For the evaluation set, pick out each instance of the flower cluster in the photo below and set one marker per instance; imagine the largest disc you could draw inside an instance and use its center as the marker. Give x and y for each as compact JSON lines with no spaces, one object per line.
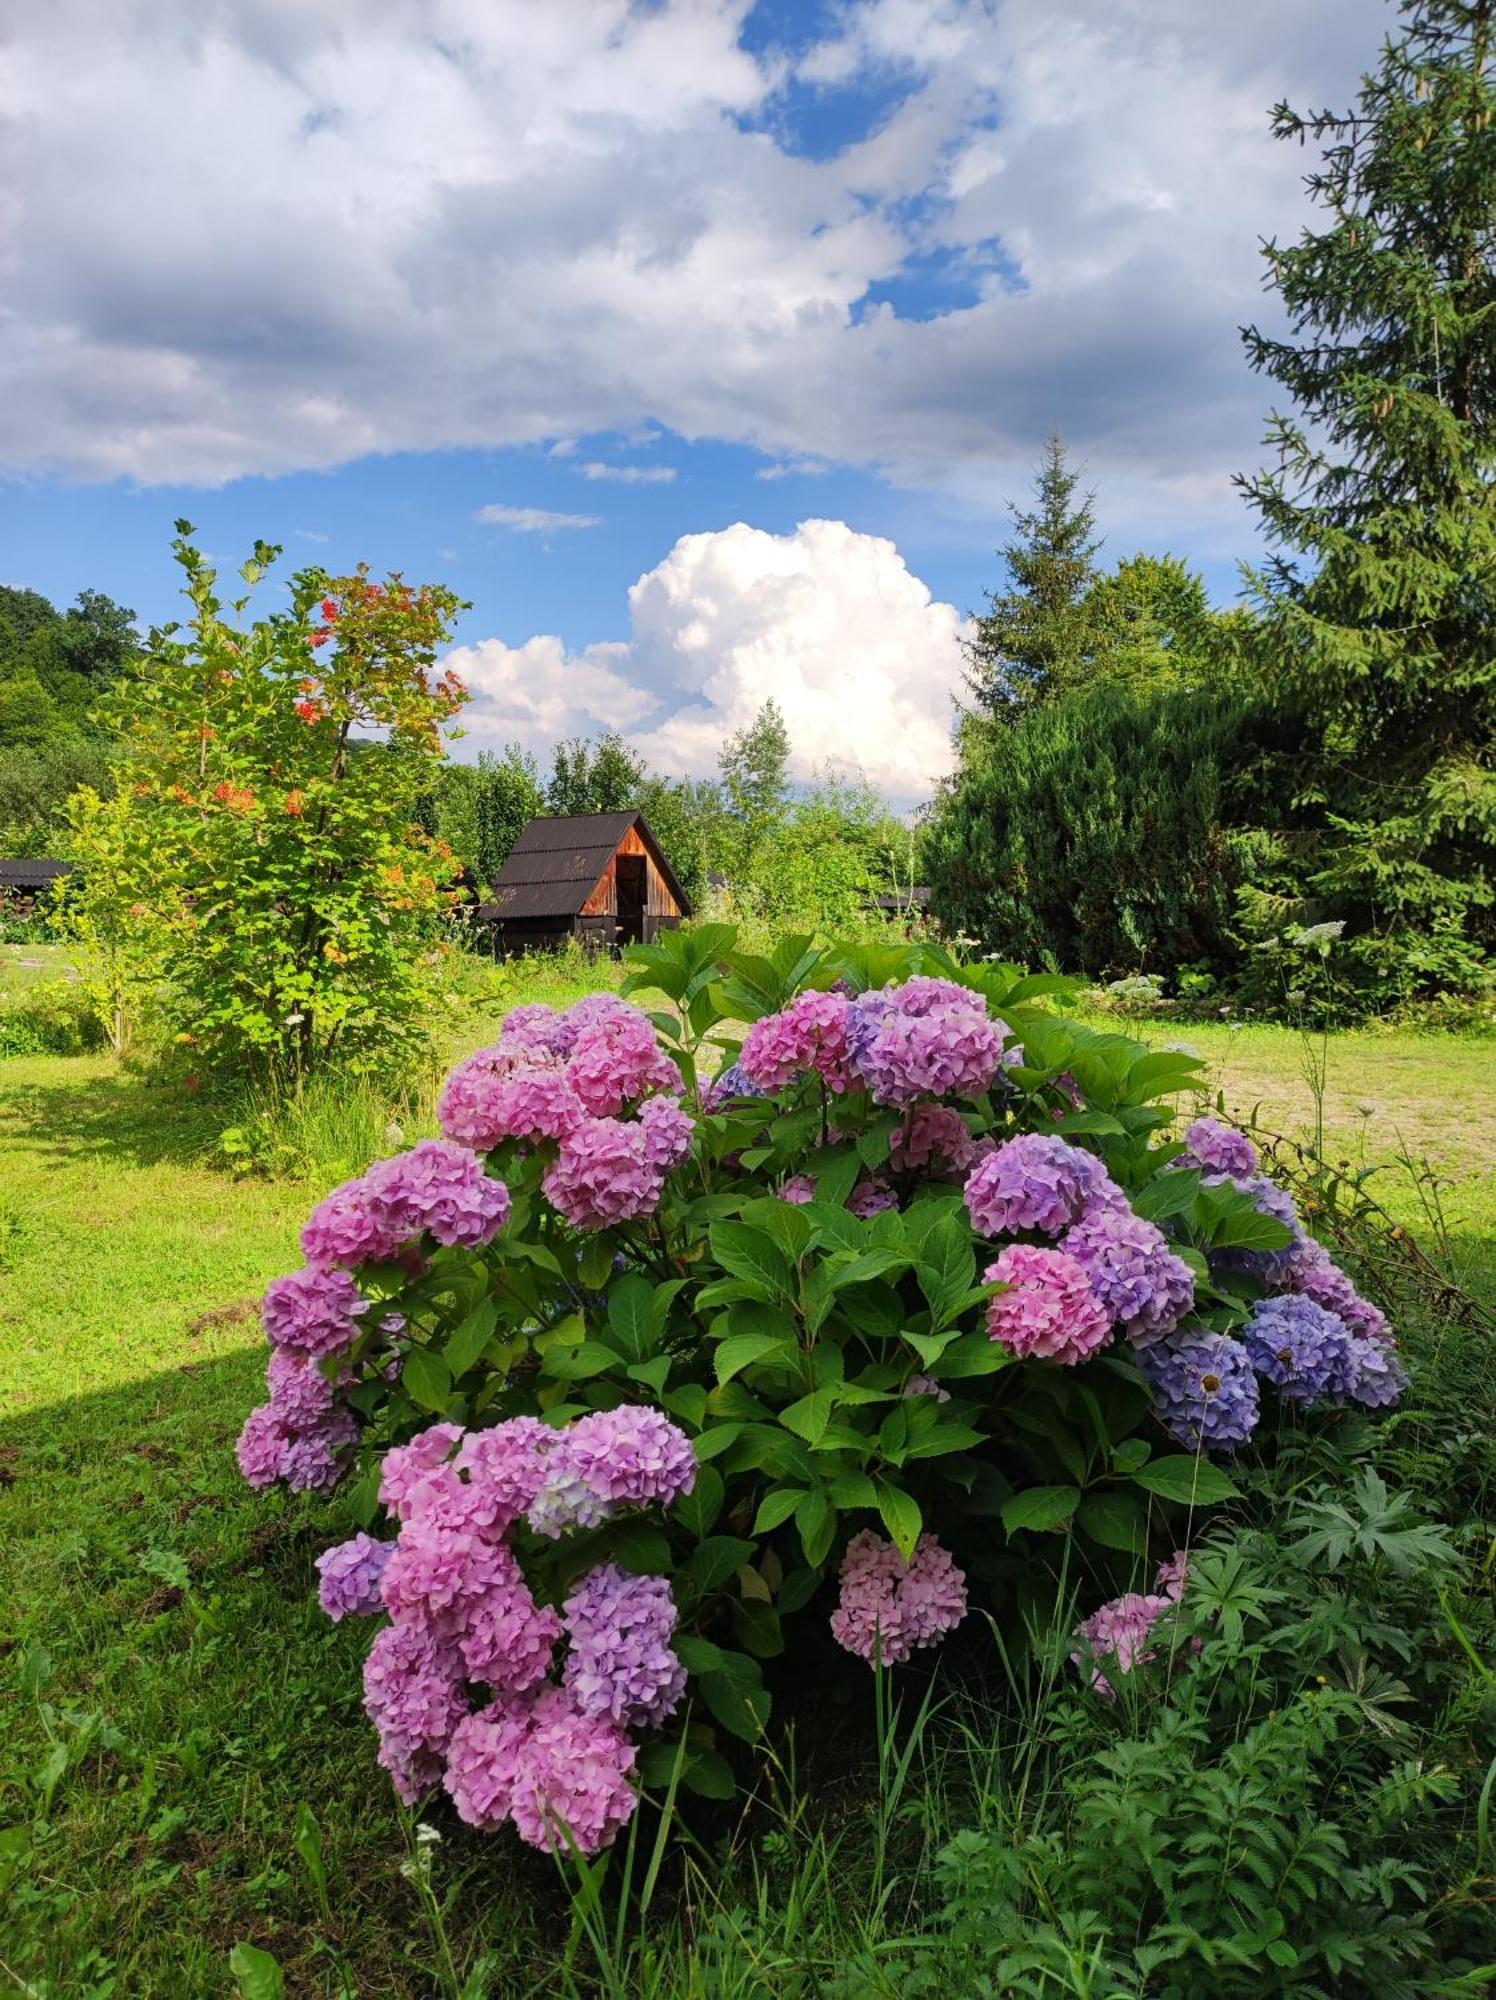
{"x":1035,"y":1181}
{"x":436,"y":1189}
{"x":1204,"y":1388}
{"x":890,"y":1607}
{"x":551,"y":1755}
{"x":928,"y":1038}
{"x":1119,"y":1633}
{"x":1049,"y":1308}
{"x":1219,"y":1149}
{"x":568,"y":1080}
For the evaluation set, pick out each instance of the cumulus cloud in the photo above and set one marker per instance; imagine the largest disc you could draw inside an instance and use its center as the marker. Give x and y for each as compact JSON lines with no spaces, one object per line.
{"x":251,"y":237}
{"x":829,"y":623}
{"x":533,"y":520}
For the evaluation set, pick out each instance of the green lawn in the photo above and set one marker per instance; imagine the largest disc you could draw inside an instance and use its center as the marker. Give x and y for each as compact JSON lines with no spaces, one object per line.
{"x":171,"y":1695}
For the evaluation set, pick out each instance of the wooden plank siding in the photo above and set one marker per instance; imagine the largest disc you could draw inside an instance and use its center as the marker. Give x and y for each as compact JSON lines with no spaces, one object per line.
{"x":658,"y":901}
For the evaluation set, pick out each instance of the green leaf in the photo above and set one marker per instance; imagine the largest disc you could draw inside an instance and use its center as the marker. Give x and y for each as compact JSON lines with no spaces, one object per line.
{"x":1170,"y":1193}
{"x":741,"y":1350}
{"x":716,"y":1560}
{"x":716,"y":1440}
{"x":1040,"y":1507}
{"x":775,"y":1508}
{"x":1116,"y":1521}
{"x":640,"y":1547}
{"x":709,"y":1775}
{"x":1191,"y":1481}
{"x":809,"y":1416}
{"x":578,"y":1364}
{"x":946,"y":1271}
{"x":697,"y":1510}
{"x":631,"y":1318}
{"x":427,"y":1380}
{"x":972,"y":1354}
{"x":756,"y":1627}
{"x":698,"y":1655}
{"x":853,"y":1489}
{"x":753,"y":1255}
{"x":469,"y":1339}
{"x":259,"y":1975}
{"x":815,"y":1517}
{"x":901,"y":1517}
{"x":741,"y":1706}
{"x":654,"y":1374}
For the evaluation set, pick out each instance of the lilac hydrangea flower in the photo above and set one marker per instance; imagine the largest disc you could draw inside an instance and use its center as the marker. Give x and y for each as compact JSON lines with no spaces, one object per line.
{"x":727,"y":1085}
{"x":927,"y":1038}
{"x":1049,"y":1310}
{"x":349,"y":1577}
{"x":667,"y":1132}
{"x":871,"y":1196}
{"x":313,"y":1312}
{"x":309,"y":1457}
{"x":621,"y":1664}
{"x":505,"y":1467}
{"x":413,"y":1694}
{"x":1371,"y":1375}
{"x":1297,"y":1346}
{"x":1204,"y":1388}
{"x":1218,"y":1149}
{"x":630,"y":1456}
{"x":890,"y":1607}
{"x":1313,"y":1274}
{"x":798,"y":1190}
{"x":299,"y":1389}
{"x":1118,"y":1634}
{"x":1146,"y":1289}
{"x":1036,"y":1181}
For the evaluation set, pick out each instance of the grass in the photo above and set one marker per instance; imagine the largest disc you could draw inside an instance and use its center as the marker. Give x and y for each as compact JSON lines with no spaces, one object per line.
{"x":171,"y":1697}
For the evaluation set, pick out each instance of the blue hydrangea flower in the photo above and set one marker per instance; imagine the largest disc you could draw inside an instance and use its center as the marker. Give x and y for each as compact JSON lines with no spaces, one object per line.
{"x":1370,"y":1375}
{"x":1204,"y":1388}
{"x":1298,"y":1346}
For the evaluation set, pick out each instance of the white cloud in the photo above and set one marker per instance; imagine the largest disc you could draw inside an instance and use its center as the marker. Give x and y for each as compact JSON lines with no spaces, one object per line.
{"x":629,"y":475}
{"x":311,"y":534}
{"x":829,"y":623}
{"x":534,"y":520}
{"x":251,"y":237}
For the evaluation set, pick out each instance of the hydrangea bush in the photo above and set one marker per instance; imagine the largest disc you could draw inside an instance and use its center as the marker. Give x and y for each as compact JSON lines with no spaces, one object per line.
{"x":811,"y":1301}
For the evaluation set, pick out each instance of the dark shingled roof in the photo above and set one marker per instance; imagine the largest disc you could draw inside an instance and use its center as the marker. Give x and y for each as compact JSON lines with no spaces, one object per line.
{"x":555,"y":865}
{"x":32,"y":874}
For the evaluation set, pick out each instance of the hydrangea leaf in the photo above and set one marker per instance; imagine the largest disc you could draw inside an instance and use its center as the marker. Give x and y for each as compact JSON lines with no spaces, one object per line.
{"x":1043,"y":1508}
{"x":1190,"y":1480}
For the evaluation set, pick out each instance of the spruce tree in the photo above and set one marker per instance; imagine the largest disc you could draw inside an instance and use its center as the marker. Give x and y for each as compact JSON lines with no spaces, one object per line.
{"x":1379,"y":595}
{"x":1034,"y":640}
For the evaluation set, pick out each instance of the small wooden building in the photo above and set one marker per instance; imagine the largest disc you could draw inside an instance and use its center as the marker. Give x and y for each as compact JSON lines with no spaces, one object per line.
{"x":29,"y":885}
{"x":600,"y":877}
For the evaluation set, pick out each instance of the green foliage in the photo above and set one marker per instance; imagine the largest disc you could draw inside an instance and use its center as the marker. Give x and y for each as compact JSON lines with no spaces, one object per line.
{"x":594,"y":777}
{"x":1378,"y":603}
{"x":258,"y":852}
{"x":1106,"y":832}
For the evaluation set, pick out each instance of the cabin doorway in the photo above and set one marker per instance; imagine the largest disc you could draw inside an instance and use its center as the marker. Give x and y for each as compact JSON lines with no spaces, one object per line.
{"x":630,"y":871}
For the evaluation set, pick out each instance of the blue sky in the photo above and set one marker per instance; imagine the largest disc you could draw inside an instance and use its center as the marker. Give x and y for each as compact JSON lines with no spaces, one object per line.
{"x":586,"y":309}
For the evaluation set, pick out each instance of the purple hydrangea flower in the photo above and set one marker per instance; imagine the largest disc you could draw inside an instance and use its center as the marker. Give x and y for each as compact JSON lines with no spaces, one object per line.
{"x":1297,"y":1346}
{"x":728,"y":1084}
{"x":621,"y":1665}
{"x":1218,"y":1149}
{"x":309,"y":1457}
{"x":299,"y":1389}
{"x":798,"y":1190}
{"x":349,"y":1577}
{"x":667,"y":1132}
{"x":927,"y":1038}
{"x":413,"y":1694}
{"x":1204,"y":1388}
{"x":630,"y":1456}
{"x":562,"y":1777}
{"x":508,"y":1092}
{"x":932,"y":1139}
{"x":1314,"y":1275}
{"x":871,"y":1196}
{"x":1271,"y":1266}
{"x":313,"y":1312}
{"x":1146,"y":1289}
{"x":1036,"y":1181}
{"x":1371,"y":1375}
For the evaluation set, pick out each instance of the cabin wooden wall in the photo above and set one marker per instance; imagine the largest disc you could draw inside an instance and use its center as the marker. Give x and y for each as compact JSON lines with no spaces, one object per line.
{"x":658,"y":901}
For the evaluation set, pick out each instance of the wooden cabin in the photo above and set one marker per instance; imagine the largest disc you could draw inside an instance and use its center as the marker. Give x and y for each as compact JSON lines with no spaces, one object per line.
{"x":600,"y":877}
{"x":27,"y":886}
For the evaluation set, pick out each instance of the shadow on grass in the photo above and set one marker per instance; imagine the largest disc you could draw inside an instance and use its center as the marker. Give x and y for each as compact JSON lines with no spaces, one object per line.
{"x":109,"y":1114}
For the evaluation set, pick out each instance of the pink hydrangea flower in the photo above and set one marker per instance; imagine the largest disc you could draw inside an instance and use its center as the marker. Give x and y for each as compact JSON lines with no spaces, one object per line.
{"x":932,"y":1139}
{"x":299,"y":1389}
{"x":1036,"y":1181}
{"x":309,"y":1457}
{"x":890,"y":1607}
{"x":617,"y":1060}
{"x":1118,"y":1635}
{"x":313,"y":1312}
{"x":435,"y":1188}
{"x":667,"y":1130}
{"x":632,"y":1456}
{"x":505,"y":1637}
{"x":1312,"y":1274}
{"x":1172,"y":1575}
{"x":809,"y":1034}
{"x":505,"y":1468}
{"x":1219,"y":1149}
{"x":871,"y":1196}
{"x":413,"y":1694}
{"x":508,"y":1092}
{"x":407,"y":1466}
{"x":1049,"y":1310}
{"x":562,"y":1777}
{"x":602,"y":1175}
{"x":926,"y":1385}
{"x":798,"y":1190}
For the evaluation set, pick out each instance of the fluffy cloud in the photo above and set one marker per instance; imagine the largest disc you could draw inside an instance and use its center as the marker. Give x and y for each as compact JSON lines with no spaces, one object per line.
{"x":829,"y":623}
{"x":248,"y":236}
{"x":629,"y":475}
